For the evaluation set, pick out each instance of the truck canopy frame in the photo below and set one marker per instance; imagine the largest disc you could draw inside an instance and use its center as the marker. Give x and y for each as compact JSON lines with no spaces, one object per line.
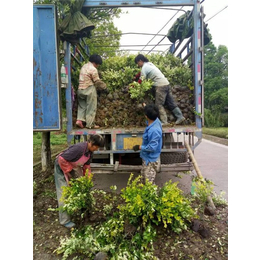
{"x":194,"y":48}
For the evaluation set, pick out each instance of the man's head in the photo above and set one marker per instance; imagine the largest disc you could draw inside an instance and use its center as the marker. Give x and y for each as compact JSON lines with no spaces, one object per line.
{"x":94,"y":142}
{"x":151,"y":111}
{"x":95,"y":59}
{"x":140,"y":59}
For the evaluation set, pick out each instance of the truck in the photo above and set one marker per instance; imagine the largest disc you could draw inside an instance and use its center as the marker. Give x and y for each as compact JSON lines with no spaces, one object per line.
{"x":117,"y":154}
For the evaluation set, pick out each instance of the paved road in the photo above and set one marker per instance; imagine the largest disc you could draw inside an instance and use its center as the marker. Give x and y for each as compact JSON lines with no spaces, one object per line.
{"x":212,"y":159}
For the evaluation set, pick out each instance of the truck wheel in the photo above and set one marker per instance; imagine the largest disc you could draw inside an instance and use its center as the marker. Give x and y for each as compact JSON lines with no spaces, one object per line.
{"x":175,"y":157}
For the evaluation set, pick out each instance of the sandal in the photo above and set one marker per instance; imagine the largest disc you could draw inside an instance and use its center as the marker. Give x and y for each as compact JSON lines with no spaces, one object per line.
{"x":79,"y":124}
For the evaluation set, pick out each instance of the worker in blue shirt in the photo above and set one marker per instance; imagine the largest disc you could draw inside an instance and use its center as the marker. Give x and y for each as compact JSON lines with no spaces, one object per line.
{"x":151,"y":145}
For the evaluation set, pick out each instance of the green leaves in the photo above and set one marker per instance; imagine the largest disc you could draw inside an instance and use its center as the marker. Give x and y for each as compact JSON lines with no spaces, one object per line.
{"x":129,"y":233}
{"x":77,"y":196}
{"x":145,"y":204}
{"x":138,"y":90}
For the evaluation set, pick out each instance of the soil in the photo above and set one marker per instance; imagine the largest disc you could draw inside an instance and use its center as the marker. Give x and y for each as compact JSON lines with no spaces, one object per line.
{"x":205,"y":239}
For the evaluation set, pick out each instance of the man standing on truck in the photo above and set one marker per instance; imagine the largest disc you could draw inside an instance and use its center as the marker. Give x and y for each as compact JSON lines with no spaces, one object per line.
{"x":151,"y":145}
{"x":87,"y":93}
{"x":163,"y":94}
{"x":73,"y":163}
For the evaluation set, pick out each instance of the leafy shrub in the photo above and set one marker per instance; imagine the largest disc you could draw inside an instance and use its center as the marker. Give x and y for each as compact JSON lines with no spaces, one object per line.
{"x":146,"y":204}
{"x":119,"y":71}
{"x":140,"y":201}
{"x":78,"y":195}
{"x":215,"y":119}
{"x":138,"y":90}
{"x":173,"y":208}
{"x":202,"y":189}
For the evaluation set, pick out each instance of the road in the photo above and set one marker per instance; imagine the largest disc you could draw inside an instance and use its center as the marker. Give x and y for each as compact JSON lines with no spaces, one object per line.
{"x":211,"y":157}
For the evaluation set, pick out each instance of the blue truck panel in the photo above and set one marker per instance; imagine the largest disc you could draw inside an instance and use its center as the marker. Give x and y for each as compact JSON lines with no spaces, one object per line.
{"x":46,"y":90}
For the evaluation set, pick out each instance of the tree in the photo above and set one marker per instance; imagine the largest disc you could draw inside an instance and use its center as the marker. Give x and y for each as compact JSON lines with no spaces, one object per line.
{"x":216,"y":82}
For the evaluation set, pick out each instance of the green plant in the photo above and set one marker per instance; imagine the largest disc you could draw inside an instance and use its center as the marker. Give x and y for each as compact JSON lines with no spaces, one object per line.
{"x":138,"y":90}
{"x":77,"y":195}
{"x":219,"y":200}
{"x":172,"y":208}
{"x":140,"y":201}
{"x":146,"y":204}
{"x":202,"y":189}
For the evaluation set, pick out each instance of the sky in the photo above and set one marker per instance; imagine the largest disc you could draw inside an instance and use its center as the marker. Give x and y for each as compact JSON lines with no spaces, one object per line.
{"x":150,"y":20}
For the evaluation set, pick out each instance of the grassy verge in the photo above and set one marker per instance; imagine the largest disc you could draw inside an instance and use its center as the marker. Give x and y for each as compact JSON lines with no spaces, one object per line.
{"x":221,"y":132}
{"x":58,"y":143}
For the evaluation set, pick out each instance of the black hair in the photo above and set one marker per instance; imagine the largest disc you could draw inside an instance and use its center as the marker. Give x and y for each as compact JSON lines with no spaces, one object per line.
{"x":97,"y":140}
{"x":95,"y":58}
{"x":151,"y":111}
{"x":141,"y":57}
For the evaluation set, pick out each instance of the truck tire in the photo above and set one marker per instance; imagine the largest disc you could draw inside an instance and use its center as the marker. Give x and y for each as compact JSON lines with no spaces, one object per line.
{"x":175,"y":157}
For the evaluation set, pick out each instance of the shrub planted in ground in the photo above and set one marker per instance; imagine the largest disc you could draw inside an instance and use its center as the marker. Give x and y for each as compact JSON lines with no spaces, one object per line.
{"x":144,"y":207}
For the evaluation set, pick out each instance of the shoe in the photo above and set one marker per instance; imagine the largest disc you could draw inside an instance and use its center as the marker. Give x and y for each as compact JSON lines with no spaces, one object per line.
{"x":69,"y":225}
{"x":79,"y":124}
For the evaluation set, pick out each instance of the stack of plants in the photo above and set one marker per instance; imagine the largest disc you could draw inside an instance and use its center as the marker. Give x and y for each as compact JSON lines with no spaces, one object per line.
{"x":128,"y":229}
{"x":121,"y":107}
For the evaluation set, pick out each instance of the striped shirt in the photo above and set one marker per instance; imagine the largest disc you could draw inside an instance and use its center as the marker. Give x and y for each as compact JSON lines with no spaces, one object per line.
{"x":88,"y":76}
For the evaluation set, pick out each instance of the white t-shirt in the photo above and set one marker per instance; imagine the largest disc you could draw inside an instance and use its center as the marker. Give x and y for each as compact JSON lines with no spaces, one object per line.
{"x":150,"y":71}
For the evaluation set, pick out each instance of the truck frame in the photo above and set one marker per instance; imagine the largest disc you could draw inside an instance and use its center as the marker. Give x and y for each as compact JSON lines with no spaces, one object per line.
{"x":117,"y":154}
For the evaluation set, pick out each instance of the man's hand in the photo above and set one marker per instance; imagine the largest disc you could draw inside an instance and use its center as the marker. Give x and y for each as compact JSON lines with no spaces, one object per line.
{"x":136,"y":147}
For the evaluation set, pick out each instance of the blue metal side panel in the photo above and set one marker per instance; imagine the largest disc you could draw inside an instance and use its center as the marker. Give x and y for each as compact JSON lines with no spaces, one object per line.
{"x":46,"y":91}
{"x":197,"y":64}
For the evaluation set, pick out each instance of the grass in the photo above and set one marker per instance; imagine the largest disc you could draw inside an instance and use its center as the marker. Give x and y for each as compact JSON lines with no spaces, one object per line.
{"x":58,"y":143}
{"x":221,"y":132}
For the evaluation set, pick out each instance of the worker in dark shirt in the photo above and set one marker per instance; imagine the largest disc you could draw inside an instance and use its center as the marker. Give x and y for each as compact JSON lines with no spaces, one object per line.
{"x":73,"y":163}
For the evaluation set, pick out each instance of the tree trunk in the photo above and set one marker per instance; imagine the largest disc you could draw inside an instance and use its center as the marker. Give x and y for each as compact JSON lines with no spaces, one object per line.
{"x":46,"y":151}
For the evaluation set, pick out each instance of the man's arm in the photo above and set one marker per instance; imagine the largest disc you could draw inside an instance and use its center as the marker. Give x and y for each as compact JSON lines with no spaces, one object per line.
{"x":154,"y":138}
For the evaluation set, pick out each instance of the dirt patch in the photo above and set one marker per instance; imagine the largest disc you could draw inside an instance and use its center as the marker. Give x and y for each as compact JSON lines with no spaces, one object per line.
{"x":207,"y":239}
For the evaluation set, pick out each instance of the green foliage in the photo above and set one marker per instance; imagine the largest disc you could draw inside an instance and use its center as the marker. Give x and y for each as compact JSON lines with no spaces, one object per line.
{"x":140,"y":201}
{"x":215,"y":119}
{"x":173,"y":208}
{"x":117,"y":79}
{"x":77,"y":195}
{"x":173,"y":69}
{"x":221,"y":132}
{"x":138,"y":90}
{"x":203,"y":189}
{"x":219,"y":200}
{"x":145,"y":204}
{"x":107,"y":237}
{"x":119,"y":71}
{"x":216,"y":85}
